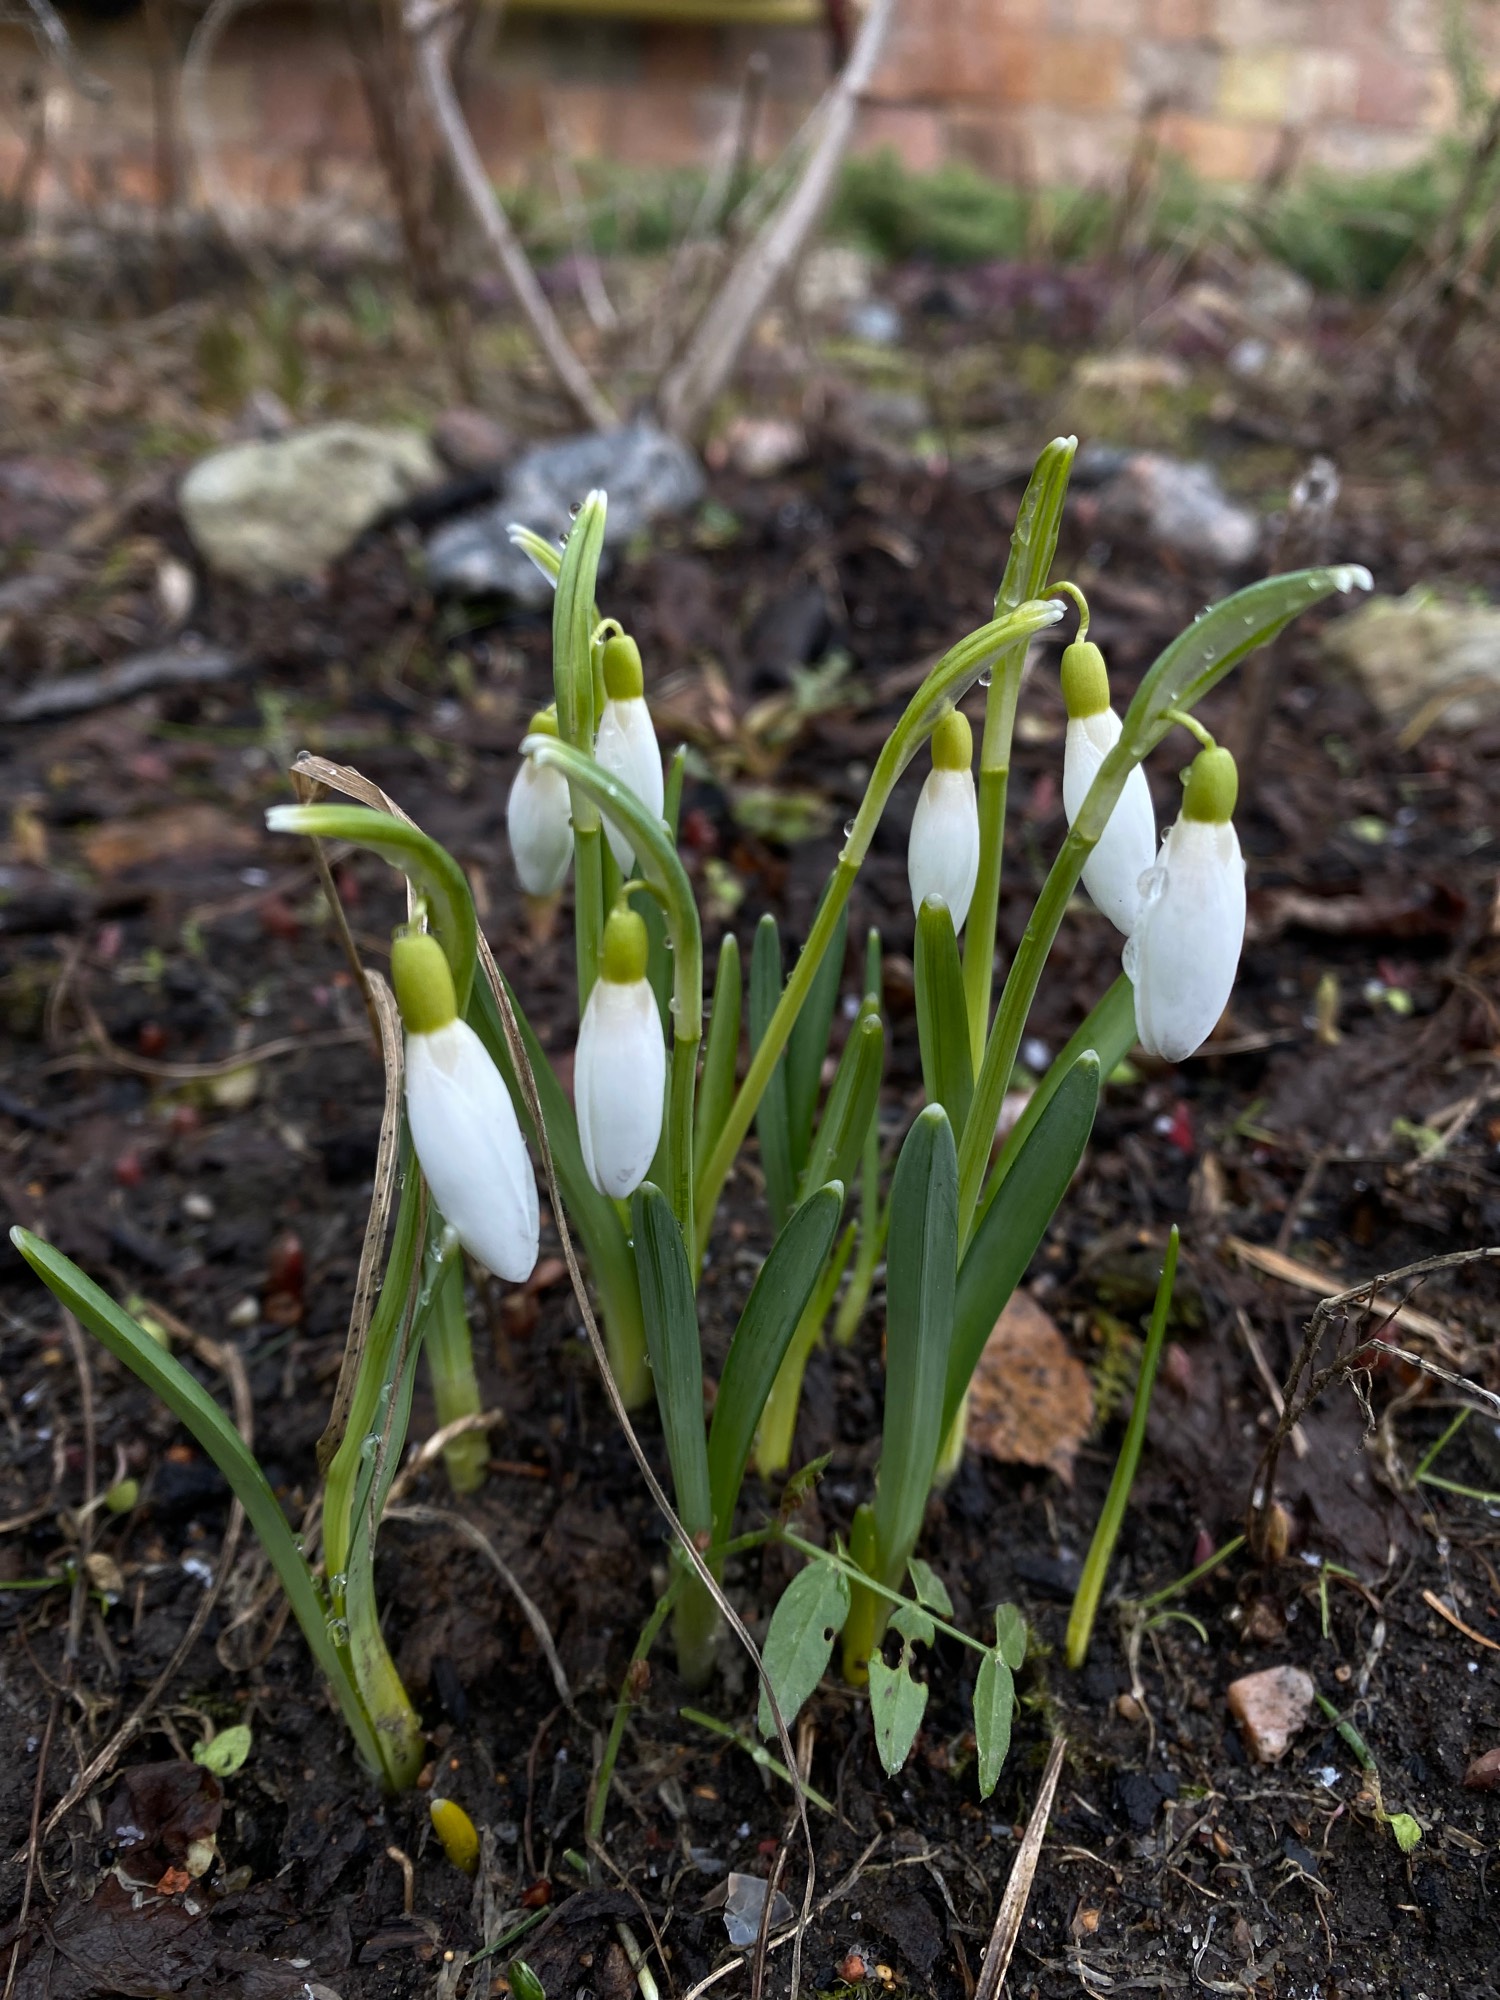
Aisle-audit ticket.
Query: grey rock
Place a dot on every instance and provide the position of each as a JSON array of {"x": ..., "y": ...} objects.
[
  {"x": 281, "y": 510},
  {"x": 1179, "y": 505},
  {"x": 471, "y": 441},
  {"x": 1421, "y": 655},
  {"x": 646, "y": 472},
  {"x": 833, "y": 275}
]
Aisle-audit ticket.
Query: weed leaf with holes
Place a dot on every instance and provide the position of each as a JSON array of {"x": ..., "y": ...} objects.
[{"x": 803, "y": 1627}]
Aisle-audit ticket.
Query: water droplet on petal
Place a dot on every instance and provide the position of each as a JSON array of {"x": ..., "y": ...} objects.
[{"x": 1131, "y": 955}]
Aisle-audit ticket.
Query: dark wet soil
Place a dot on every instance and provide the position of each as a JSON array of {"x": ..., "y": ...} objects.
[{"x": 189, "y": 1107}]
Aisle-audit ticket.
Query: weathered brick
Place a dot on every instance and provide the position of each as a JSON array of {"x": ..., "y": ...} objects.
[
  {"x": 1323, "y": 85},
  {"x": 1080, "y": 72},
  {"x": 1178, "y": 20},
  {"x": 1255, "y": 86},
  {"x": 1219, "y": 150},
  {"x": 915, "y": 132},
  {"x": 1392, "y": 92}
]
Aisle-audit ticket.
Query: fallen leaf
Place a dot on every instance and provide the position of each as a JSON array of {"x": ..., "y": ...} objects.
[
  {"x": 198, "y": 830},
  {"x": 1031, "y": 1402}
]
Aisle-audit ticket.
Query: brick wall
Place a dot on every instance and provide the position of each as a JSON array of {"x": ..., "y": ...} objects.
[{"x": 1052, "y": 91}]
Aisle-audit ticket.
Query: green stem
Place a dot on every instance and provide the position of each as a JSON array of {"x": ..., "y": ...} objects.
[
  {"x": 757, "y": 1753},
  {"x": 681, "y": 1085},
  {"x": 604, "y": 1776},
  {"x": 455, "y": 1386},
  {"x": 696, "y": 1625},
  {"x": 1107, "y": 1533},
  {"x": 1434, "y": 1451},
  {"x": 588, "y": 903},
  {"x": 1195, "y": 1575},
  {"x": 992, "y": 790}
]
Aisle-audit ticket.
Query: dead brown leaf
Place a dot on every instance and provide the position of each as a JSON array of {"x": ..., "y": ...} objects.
[
  {"x": 190, "y": 829},
  {"x": 1031, "y": 1402}
]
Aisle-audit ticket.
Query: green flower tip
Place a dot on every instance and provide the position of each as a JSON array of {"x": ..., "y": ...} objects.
[
  {"x": 1212, "y": 787},
  {"x": 423, "y": 981},
  {"x": 624, "y": 947},
  {"x": 623, "y": 679},
  {"x": 544, "y": 722},
  {"x": 1085, "y": 680},
  {"x": 952, "y": 743}
]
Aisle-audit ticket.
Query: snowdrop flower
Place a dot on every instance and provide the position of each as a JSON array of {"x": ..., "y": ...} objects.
[
  {"x": 1182, "y": 955},
  {"x": 539, "y": 820},
  {"x": 626, "y": 743},
  {"x": 620, "y": 1069},
  {"x": 943, "y": 856},
  {"x": 463, "y": 1124},
  {"x": 1125, "y": 850}
]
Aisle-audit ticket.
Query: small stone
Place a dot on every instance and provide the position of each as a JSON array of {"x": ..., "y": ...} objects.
[
  {"x": 763, "y": 447},
  {"x": 1422, "y": 657},
  {"x": 471, "y": 441},
  {"x": 831, "y": 276},
  {"x": 1270, "y": 1708},
  {"x": 198, "y": 1207},
  {"x": 1129, "y": 1709},
  {"x": 1181, "y": 506}
]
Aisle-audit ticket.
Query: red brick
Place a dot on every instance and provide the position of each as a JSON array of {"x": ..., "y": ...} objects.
[
  {"x": 915, "y": 133},
  {"x": 1392, "y": 92},
  {"x": 1080, "y": 72}
]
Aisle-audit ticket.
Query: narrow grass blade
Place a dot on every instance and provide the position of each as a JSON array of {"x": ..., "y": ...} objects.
[
  {"x": 942, "y": 1017},
  {"x": 852, "y": 1104},
  {"x": 921, "y": 1272},
  {"x": 671, "y": 1315},
  {"x": 772, "y": 1128},
  {"x": 1016, "y": 1221},
  {"x": 760, "y": 1341},
  {"x": 1108, "y": 1029},
  {"x": 807, "y": 1045},
  {"x": 721, "y": 1049}
]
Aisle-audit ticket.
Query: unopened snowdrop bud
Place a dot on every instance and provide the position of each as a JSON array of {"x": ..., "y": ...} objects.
[
  {"x": 626, "y": 743},
  {"x": 539, "y": 820},
  {"x": 463, "y": 1124},
  {"x": 1182, "y": 955},
  {"x": 942, "y": 858},
  {"x": 620, "y": 1070},
  {"x": 1125, "y": 850}
]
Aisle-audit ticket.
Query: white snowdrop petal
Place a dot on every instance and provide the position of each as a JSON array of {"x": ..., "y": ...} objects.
[
  {"x": 619, "y": 1084},
  {"x": 1127, "y": 846},
  {"x": 539, "y": 821},
  {"x": 943, "y": 856},
  {"x": 1184, "y": 952},
  {"x": 468, "y": 1142},
  {"x": 626, "y": 746}
]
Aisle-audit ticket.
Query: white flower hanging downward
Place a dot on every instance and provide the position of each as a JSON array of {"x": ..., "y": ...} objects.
[
  {"x": 942, "y": 858},
  {"x": 1184, "y": 951},
  {"x": 626, "y": 743},
  {"x": 539, "y": 820},
  {"x": 1126, "y": 848},
  {"x": 463, "y": 1124},
  {"x": 620, "y": 1069}
]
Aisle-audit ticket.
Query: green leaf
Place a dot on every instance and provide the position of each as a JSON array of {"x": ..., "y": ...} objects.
[
  {"x": 852, "y": 1104},
  {"x": 897, "y": 1705},
  {"x": 430, "y": 869},
  {"x": 799, "y": 1640},
  {"x": 913, "y": 1623},
  {"x": 1199, "y": 658},
  {"x": 193, "y": 1407},
  {"x": 777, "y": 1298},
  {"x": 994, "y": 1707},
  {"x": 671, "y": 1315},
  {"x": 1016, "y": 1220},
  {"x": 930, "y": 1587},
  {"x": 226, "y": 1753},
  {"x": 1010, "y": 1636},
  {"x": 1407, "y": 1830},
  {"x": 573, "y": 623},
  {"x": 942, "y": 1017},
  {"x": 807, "y": 1045},
  {"x": 921, "y": 1261},
  {"x": 1033, "y": 540},
  {"x": 721, "y": 1049},
  {"x": 772, "y": 1126},
  {"x": 1108, "y": 1030}
]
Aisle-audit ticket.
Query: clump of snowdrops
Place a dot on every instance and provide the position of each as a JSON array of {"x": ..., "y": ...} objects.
[{"x": 663, "y": 1105}]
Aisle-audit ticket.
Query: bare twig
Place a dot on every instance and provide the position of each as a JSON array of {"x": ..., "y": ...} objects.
[
  {"x": 47, "y": 26},
  {"x": 691, "y": 387},
  {"x": 428, "y": 25},
  {"x": 200, "y": 130},
  {"x": 590, "y": 284},
  {"x": 1018, "y": 1889}
]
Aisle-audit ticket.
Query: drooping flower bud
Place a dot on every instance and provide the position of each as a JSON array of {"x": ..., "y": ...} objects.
[
  {"x": 1125, "y": 850},
  {"x": 620, "y": 1069},
  {"x": 1182, "y": 955},
  {"x": 626, "y": 743},
  {"x": 942, "y": 858},
  {"x": 463, "y": 1125},
  {"x": 539, "y": 820}
]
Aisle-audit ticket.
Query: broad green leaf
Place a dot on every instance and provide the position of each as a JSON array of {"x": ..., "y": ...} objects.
[
  {"x": 1408, "y": 1831},
  {"x": 430, "y": 869},
  {"x": 1033, "y": 540},
  {"x": 930, "y": 1587},
  {"x": 671, "y": 1315},
  {"x": 921, "y": 1261},
  {"x": 897, "y": 1705},
  {"x": 771, "y": 1119},
  {"x": 720, "y": 1050},
  {"x": 942, "y": 1017},
  {"x": 994, "y": 1707},
  {"x": 777, "y": 1298},
  {"x": 193, "y": 1407},
  {"x": 799, "y": 1640},
  {"x": 1016, "y": 1220},
  {"x": 226, "y": 1753},
  {"x": 1010, "y": 1636},
  {"x": 807, "y": 1045},
  {"x": 1199, "y": 658},
  {"x": 852, "y": 1104},
  {"x": 1109, "y": 1031}
]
